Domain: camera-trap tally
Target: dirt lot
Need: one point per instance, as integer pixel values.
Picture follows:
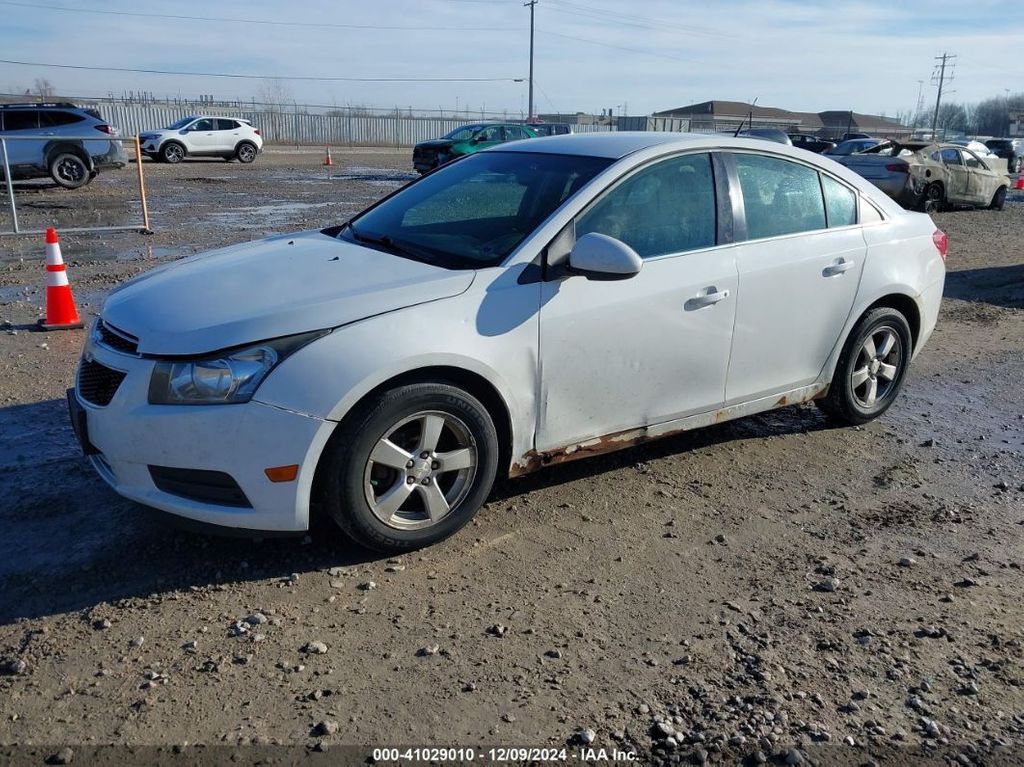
(768, 589)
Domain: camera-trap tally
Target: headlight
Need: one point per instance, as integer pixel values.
(227, 378)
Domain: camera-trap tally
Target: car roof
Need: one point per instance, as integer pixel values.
(615, 145)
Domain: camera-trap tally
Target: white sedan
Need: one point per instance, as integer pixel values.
(535, 303)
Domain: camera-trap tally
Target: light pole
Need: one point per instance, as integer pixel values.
(531, 5)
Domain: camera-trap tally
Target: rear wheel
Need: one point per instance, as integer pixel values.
(246, 152)
(69, 170)
(871, 368)
(934, 198)
(411, 467)
(999, 199)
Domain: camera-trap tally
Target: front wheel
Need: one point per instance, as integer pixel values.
(69, 170)
(411, 467)
(871, 368)
(173, 153)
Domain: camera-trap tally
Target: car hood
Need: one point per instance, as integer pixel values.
(437, 143)
(275, 287)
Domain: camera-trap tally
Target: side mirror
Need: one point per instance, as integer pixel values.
(600, 257)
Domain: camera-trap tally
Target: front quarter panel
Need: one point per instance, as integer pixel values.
(490, 330)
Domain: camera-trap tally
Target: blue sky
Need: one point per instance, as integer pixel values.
(644, 56)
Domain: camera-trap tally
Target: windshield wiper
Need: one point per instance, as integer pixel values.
(388, 243)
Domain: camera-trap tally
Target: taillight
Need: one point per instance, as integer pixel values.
(105, 129)
(898, 167)
(941, 241)
(257, 131)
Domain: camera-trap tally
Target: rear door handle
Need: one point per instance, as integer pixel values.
(842, 265)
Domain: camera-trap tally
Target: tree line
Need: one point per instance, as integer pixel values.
(990, 117)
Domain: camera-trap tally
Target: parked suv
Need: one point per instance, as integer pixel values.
(229, 137)
(467, 139)
(61, 151)
(1010, 149)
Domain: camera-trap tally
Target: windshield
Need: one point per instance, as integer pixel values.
(180, 123)
(465, 133)
(475, 212)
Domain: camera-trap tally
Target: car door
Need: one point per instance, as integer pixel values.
(228, 134)
(799, 268)
(202, 136)
(981, 181)
(492, 135)
(957, 180)
(620, 354)
(23, 123)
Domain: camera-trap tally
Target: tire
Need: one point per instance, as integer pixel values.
(867, 381)
(69, 170)
(246, 152)
(998, 200)
(172, 152)
(934, 198)
(367, 466)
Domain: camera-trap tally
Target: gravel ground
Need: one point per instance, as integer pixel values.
(771, 589)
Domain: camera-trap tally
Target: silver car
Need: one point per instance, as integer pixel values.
(60, 153)
(535, 303)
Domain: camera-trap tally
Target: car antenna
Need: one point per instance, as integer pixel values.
(750, 117)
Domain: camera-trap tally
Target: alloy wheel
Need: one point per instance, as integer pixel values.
(877, 369)
(420, 469)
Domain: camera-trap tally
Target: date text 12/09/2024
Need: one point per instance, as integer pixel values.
(502, 754)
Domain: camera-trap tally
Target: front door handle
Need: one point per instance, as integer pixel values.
(840, 266)
(707, 297)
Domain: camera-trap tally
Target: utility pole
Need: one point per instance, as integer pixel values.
(920, 102)
(531, 4)
(941, 78)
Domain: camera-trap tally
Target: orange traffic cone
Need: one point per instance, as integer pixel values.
(328, 161)
(61, 313)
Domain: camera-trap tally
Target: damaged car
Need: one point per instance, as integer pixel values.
(464, 140)
(930, 177)
(536, 303)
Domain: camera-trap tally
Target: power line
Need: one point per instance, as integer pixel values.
(271, 77)
(627, 19)
(617, 47)
(223, 19)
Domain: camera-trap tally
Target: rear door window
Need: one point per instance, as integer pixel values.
(780, 197)
(840, 203)
(223, 124)
(55, 118)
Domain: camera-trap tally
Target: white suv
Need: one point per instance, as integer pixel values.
(229, 137)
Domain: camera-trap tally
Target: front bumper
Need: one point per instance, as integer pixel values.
(134, 444)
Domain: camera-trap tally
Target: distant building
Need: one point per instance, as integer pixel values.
(715, 116)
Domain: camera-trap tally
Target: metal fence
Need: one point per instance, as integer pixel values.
(285, 127)
(5, 166)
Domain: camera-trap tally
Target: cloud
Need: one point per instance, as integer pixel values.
(867, 55)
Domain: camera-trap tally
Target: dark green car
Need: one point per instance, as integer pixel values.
(466, 139)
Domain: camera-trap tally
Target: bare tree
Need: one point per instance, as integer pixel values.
(275, 95)
(43, 88)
